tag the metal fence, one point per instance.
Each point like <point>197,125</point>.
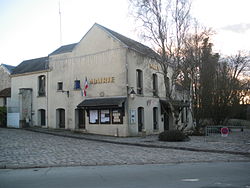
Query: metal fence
<point>225,133</point>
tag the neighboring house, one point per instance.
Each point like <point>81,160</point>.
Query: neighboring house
<point>124,93</point>
<point>4,94</point>
<point>5,83</point>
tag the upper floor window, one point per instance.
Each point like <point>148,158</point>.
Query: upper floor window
<point>77,84</point>
<point>59,86</point>
<point>139,81</point>
<point>41,85</point>
<point>155,85</point>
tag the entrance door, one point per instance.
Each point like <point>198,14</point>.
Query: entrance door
<point>166,122</point>
<point>42,116</point>
<point>155,118</point>
<point>81,119</point>
<point>140,119</point>
<point>61,118</point>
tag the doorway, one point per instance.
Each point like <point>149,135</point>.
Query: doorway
<point>41,117</point>
<point>81,118</point>
<point>60,117</point>
<point>155,118</point>
<point>140,119</point>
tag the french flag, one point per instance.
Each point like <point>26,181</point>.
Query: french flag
<point>86,86</point>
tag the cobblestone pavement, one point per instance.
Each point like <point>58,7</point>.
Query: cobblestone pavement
<point>236,142</point>
<point>25,149</point>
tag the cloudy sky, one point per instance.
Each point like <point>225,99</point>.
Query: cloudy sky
<point>31,28</point>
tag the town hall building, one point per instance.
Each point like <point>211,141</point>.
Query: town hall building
<point>105,84</point>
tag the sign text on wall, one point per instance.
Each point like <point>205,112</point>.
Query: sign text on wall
<point>154,67</point>
<point>102,80</point>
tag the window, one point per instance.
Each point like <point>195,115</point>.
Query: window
<point>155,118</point>
<point>117,116</point>
<point>155,85</point>
<point>41,85</point>
<point>77,84</point>
<point>93,117</point>
<point>59,86</point>
<point>140,112</point>
<point>139,81</point>
<point>105,116</point>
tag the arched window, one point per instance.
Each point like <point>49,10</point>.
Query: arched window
<point>155,118</point>
<point>140,119</point>
<point>155,85</point>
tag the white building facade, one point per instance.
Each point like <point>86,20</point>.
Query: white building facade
<point>120,77</point>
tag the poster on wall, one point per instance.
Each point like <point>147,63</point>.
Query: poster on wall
<point>93,116</point>
<point>132,116</point>
<point>105,116</point>
<point>116,116</point>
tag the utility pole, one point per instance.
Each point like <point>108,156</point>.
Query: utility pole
<point>60,24</point>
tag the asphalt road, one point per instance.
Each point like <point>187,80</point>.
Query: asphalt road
<point>202,175</point>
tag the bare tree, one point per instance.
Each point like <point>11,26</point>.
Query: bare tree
<point>165,25</point>
<point>191,66</point>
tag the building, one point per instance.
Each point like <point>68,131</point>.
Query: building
<point>124,91</point>
<point>5,83</point>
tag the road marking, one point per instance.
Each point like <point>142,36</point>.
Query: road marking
<point>190,180</point>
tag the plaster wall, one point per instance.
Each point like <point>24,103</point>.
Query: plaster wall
<point>30,81</point>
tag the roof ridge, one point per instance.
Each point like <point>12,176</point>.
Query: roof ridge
<point>131,43</point>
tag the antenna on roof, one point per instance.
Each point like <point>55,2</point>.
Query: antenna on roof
<point>60,24</point>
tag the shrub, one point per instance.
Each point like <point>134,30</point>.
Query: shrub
<point>173,136</point>
<point>196,132</point>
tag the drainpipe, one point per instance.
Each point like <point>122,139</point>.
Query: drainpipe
<point>127,105</point>
<point>47,101</point>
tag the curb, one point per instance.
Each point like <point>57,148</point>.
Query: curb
<point>142,145</point>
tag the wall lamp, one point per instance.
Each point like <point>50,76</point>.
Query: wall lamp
<point>132,93</point>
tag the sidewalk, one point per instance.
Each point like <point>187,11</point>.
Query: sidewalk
<point>234,143</point>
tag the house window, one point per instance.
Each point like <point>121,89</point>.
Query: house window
<point>140,118</point>
<point>41,85</point>
<point>139,81</point>
<point>155,85</point>
<point>117,117</point>
<point>93,117</point>
<point>105,116</point>
<point>59,86</point>
<point>155,118</point>
<point>77,84</point>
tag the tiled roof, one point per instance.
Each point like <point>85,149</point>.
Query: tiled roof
<point>5,92</point>
<point>132,44</point>
<point>64,49</point>
<point>32,65</point>
<point>10,68</point>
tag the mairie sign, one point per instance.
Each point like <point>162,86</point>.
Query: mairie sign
<point>103,80</point>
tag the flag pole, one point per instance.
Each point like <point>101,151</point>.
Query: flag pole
<point>60,23</point>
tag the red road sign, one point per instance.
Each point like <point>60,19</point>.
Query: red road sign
<point>224,131</point>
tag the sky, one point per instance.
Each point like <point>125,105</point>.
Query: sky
<point>31,28</point>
